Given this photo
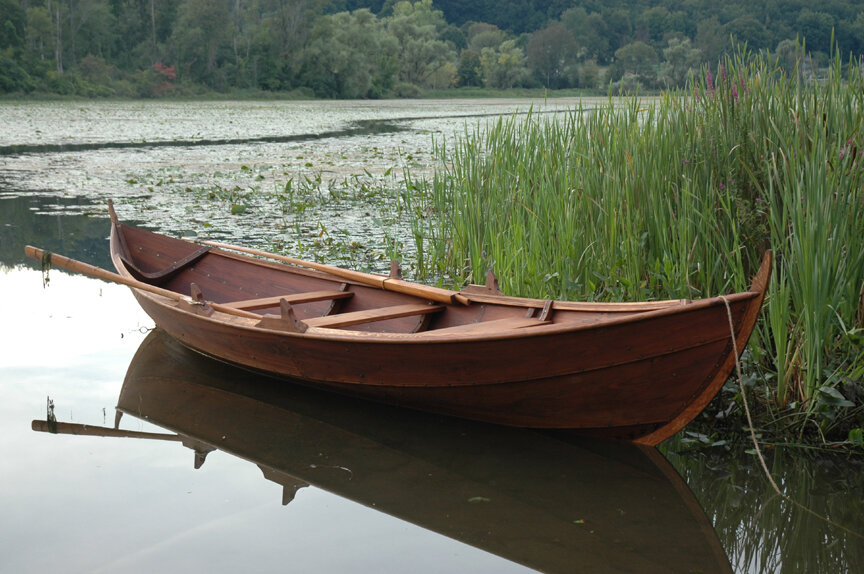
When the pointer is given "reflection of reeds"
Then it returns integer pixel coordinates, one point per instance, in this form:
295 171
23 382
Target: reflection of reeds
818 528
676 197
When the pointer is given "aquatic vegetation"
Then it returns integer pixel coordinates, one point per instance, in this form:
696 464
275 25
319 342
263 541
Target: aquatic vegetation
678 196
806 530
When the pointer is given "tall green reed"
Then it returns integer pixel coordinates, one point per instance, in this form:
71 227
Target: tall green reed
675 196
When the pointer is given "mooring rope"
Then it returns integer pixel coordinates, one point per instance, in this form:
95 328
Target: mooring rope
744 397
756 440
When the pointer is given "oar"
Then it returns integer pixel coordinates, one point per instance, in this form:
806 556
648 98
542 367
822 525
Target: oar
381 282
87 269
55 427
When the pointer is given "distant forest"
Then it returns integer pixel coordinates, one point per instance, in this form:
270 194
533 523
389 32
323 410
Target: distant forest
374 49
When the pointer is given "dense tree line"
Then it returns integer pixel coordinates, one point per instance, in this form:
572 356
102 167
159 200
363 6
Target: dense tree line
379 48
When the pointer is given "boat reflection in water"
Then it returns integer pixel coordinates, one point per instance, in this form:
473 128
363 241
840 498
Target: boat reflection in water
551 503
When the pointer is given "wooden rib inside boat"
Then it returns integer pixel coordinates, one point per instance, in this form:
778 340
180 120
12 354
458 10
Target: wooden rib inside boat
639 371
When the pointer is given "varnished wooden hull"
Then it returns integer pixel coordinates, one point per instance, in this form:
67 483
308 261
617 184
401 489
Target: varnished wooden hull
612 371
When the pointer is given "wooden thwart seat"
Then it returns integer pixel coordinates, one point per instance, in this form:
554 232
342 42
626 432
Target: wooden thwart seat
370 315
494 326
295 299
288 321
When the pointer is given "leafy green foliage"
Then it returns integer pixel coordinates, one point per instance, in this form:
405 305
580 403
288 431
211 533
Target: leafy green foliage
396 47
349 56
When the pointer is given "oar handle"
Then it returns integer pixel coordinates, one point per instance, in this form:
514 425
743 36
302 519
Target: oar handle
69 264
80 267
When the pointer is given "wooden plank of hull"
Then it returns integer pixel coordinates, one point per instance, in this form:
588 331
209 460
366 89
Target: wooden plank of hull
637 397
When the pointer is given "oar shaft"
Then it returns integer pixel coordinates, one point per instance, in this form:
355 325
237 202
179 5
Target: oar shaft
93 271
356 276
91 430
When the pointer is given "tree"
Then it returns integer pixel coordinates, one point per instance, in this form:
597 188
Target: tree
470 69
655 22
504 67
12 29
40 38
589 74
349 55
711 38
421 52
481 35
788 54
552 55
816 28
92 29
680 58
638 59
590 32
202 40
619 25
13 22
856 33
748 30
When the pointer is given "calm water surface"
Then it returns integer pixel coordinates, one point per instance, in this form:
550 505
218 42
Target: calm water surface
368 489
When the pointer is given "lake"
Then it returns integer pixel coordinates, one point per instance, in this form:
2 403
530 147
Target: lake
286 478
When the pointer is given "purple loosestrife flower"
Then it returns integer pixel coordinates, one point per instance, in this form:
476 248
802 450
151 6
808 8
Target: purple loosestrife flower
710 81
846 148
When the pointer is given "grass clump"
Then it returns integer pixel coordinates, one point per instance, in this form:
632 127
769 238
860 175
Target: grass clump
679 196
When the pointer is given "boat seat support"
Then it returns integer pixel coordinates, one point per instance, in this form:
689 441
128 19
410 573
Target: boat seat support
490 288
196 302
395 270
546 312
285 321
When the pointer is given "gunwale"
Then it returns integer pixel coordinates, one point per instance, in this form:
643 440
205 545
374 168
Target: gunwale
426 337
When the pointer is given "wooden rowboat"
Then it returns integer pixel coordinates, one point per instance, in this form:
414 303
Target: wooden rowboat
636 371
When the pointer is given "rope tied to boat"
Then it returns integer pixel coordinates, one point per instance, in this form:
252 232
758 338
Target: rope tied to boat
744 398
756 440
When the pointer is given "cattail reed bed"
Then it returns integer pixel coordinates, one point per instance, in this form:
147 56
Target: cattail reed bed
679 196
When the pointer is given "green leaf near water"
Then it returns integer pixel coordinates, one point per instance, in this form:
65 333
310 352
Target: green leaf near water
238 209
833 397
